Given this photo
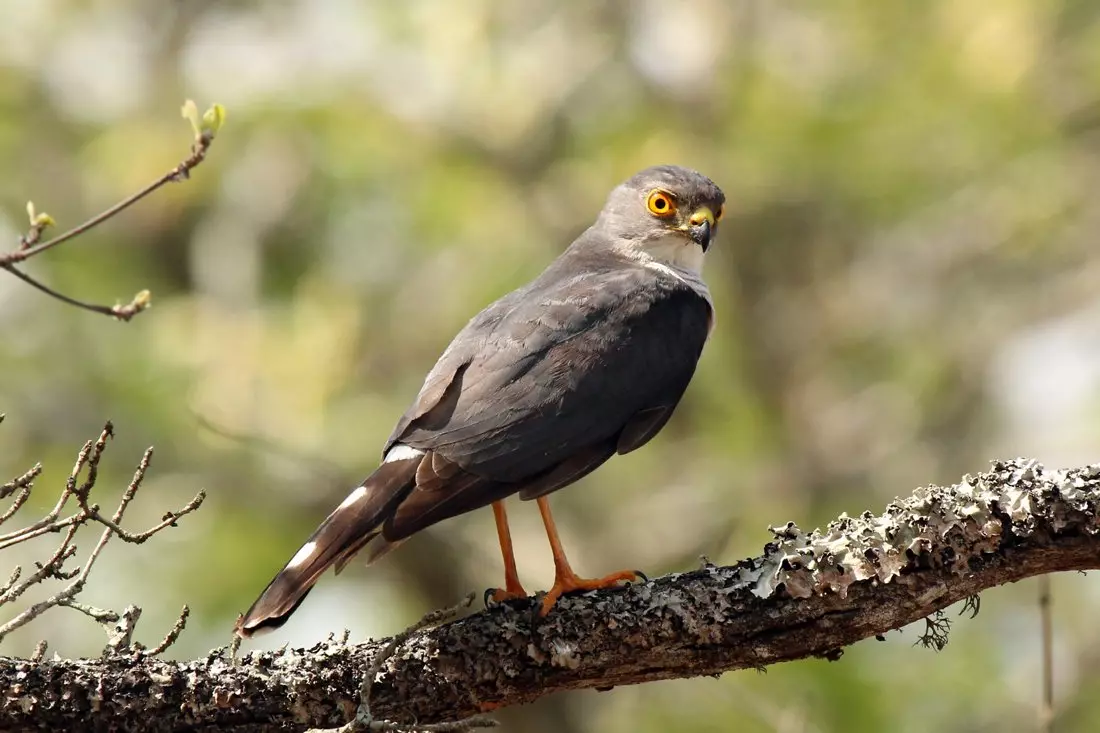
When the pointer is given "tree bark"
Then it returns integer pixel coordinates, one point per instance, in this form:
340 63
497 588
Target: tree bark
809 594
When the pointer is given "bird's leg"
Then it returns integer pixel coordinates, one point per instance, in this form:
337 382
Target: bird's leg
565 579
512 588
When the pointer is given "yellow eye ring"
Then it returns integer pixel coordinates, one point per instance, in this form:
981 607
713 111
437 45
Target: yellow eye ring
661 204
720 214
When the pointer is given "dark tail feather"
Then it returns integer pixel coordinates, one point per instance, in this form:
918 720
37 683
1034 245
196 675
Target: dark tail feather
351 526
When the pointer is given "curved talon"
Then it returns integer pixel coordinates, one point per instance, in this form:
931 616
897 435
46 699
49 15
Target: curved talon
643 576
496 596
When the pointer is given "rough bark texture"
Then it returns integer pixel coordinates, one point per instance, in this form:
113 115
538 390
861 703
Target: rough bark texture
808 594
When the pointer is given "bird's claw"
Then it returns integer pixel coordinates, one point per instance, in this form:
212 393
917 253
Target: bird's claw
496 596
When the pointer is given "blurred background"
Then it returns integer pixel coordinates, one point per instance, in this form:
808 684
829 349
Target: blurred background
906 283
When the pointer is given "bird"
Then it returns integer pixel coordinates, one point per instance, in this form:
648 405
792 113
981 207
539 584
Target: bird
539 389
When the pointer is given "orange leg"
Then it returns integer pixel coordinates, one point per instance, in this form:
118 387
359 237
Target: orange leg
512 587
565 579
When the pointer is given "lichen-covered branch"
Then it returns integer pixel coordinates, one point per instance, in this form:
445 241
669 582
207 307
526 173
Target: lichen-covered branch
808 594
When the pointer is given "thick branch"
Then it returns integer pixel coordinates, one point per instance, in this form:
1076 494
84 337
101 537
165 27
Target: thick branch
808 595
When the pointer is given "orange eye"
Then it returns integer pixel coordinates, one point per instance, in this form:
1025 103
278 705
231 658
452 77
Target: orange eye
720 214
661 204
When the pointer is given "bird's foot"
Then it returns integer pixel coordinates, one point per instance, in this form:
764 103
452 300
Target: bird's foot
569 581
512 591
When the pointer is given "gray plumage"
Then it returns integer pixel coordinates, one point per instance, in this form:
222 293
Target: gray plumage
541 387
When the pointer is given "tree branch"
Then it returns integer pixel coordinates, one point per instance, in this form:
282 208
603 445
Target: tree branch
119 627
204 128
809 594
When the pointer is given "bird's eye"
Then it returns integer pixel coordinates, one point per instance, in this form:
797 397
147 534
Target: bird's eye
720 214
661 204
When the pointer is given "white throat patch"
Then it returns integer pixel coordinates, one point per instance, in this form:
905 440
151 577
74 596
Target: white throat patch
672 256
674 251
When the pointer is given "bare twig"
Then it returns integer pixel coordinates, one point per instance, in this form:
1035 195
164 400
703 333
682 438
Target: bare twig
15 573
119 627
1046 706
50 522
134 485
125 312
169 520
66 594
20 500
45 570
205 129
172 635
20 482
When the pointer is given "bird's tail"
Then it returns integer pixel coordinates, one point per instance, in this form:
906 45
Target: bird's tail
352 525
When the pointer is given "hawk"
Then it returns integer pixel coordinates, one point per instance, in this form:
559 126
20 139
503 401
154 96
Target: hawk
538 390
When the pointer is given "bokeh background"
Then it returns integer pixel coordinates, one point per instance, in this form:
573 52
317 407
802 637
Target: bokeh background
907 283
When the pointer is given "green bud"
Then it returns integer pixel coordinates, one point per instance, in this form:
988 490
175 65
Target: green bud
39 221
213 119
190 112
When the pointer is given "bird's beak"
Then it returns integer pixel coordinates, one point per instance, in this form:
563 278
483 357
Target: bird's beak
701 226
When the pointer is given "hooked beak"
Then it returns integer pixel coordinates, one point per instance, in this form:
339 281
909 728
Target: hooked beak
701 227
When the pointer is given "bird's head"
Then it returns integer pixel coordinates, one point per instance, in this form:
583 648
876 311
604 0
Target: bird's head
666 213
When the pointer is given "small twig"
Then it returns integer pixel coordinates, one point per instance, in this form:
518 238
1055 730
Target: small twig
64 551
233 648
119 627
20 500
37 530
140 302
169 520
20 482
15 573
317 464
92 512
99 615
50 522
204 129
179 173
172 635
91 461
66 593
39 651
1046 707
134 485
88 456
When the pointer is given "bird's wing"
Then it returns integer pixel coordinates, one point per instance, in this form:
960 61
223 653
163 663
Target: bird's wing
550 381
